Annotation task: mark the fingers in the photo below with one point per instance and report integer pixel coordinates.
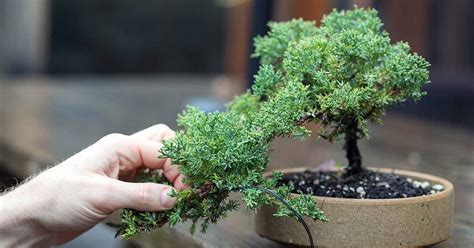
(142, 150)
(131, 152)
(157, 133)
(178, 183)
(173, 175)
(149, 151)
(140, 196)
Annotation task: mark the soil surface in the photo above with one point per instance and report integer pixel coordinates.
(366, 185)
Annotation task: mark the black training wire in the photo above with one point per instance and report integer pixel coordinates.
(297, 215)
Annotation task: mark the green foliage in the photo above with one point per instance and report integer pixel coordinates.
(341, 75)
(352, 70)
(223, 152)
(245, 104)
(266, 81)
(358, 19)
(271, 48)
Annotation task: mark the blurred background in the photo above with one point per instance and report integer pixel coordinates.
(212, 39)
(72, 71)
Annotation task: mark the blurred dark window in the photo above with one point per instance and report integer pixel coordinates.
(148, 36)
(442, 32)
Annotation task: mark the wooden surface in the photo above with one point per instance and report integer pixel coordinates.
(49, 120)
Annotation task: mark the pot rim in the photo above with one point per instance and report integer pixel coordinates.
(448, 189)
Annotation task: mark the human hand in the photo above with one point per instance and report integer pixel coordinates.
(70, 198)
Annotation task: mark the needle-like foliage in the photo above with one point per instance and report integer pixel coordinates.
(352, 69)
(225, 152)
(341, 75)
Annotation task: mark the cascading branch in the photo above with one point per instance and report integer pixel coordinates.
(225, 152)
(341, 75)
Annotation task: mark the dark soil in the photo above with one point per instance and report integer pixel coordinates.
(366, 185)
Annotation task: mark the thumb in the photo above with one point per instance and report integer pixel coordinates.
(141, 196)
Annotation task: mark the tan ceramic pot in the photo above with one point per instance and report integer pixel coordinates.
(406, 222)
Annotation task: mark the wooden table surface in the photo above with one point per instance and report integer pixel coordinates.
(43, 121)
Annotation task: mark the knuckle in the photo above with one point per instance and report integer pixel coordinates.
(112, 138)
(103, 197)
(162, 127)
(165, 131)
(145, 194)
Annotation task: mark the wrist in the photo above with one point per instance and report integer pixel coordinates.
(19, 224)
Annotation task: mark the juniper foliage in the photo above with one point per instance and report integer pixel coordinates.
(341, 75)
(352, 70)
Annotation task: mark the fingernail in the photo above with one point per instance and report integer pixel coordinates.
(166, 200)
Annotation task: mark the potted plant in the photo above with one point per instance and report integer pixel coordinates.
(341, 75)
(353, 72)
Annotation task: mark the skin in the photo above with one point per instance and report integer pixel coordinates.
(68, 199)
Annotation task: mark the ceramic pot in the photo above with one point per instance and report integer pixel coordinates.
(403, 222)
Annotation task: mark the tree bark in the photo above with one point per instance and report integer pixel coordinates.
(352, 150)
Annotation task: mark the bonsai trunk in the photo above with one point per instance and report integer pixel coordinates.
(352, 150)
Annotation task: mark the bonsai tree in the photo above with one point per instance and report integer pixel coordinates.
(341, 75)
(352, 71)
